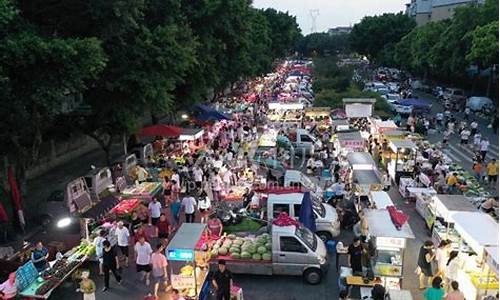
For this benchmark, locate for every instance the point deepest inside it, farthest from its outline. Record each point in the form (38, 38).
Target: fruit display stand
(34, 285)
(187, 265)
(390, 244)
(145, 190)
(478, 232)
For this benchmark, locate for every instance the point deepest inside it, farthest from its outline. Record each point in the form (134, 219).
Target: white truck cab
(77, 195)
(98, 180)
(327, 221)
(304, 142)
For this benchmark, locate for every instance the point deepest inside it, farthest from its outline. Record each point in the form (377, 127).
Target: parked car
(479, 103)
(453, 94)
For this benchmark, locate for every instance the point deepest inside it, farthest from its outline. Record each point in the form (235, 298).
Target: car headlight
(321, 260)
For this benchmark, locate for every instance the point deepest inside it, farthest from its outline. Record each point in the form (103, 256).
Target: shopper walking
(453, 265)
(442, 257)
(143, 253)
(354, 256)
(435, 292)
(204, 206)
(189, 205)
(222, 281)
(455, 294)
(98, 244)
(154, 208)
(122, 237)
(492, 172)
(483, 147)
(424, 267)
(159, 266)
(110, 263)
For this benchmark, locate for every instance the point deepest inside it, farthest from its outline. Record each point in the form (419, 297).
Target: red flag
(16, 196)
(3, 214)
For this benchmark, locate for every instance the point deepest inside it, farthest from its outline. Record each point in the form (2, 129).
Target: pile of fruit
(258, 248)
(46, 286)
(59, 270)
(84, 249)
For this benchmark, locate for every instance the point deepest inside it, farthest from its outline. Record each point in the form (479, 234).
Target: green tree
(260, 43)
(484, 49)
(322, 44)
(373, 33)
(285, 31)
(38, 74)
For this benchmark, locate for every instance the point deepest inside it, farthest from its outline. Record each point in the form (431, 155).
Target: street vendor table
(144, 190)
(390, 244)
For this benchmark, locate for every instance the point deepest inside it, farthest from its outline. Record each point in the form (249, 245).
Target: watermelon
(237, 242)
(246, 255)
(269, 246)
(266, 235)
(256, 256)
(222, 251)
(231, 236)
(235, 255)
(267, 256)
(214, 253)
(261, 250)
(234, 250)
(227, 244)
(251, 249)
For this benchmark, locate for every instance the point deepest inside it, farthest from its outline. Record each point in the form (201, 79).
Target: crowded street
(175, 157)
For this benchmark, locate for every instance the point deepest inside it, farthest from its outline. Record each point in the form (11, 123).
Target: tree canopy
(373, 33)
(322, 43)
(126, 59)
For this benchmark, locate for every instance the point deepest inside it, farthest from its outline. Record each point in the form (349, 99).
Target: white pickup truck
(295, 251)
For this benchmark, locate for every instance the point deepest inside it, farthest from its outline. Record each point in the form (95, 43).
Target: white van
(304, 142)
(98, 180)
(327, 221)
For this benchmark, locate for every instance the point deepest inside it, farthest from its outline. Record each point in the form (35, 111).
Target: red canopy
(3, 214)
(161, 130)
(16, 195)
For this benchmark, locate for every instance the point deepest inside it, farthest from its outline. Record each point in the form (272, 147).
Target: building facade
(340, 30)
(424, 11)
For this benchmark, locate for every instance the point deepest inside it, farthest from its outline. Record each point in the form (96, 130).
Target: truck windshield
(307, 237)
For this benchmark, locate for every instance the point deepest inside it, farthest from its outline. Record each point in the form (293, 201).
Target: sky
(332, 13)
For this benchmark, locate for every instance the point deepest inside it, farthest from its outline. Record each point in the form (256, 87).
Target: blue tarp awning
(206, 113)
(414, 102)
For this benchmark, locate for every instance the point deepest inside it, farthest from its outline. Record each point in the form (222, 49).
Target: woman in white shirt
(442, 257)
(452, 266)
(204, 205)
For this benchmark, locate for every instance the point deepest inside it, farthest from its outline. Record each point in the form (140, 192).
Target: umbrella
(161, 130)
(306, 215)
(16, 196)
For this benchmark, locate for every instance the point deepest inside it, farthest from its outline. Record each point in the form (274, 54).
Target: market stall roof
(190, 134)
(187, 236)
(385, 124)
(349, 135)
(366, 177)
(477, 229)
(401, 144)
(322, 110)
(360, 158)
(381, 199)
(161, 130)
(447, 205)
(380, 225)
(492, 257)
(359, 100)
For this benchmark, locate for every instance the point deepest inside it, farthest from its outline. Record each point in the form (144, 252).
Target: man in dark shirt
(223, 281)
(111, 263)
(355, 253)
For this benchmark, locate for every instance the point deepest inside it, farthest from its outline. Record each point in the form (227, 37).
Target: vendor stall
(144, 190)
(187, 262)
(400, 158)
(365, 176)
(317, 116)
(379, 127)
(440, 208)
(340, 125)
(358, 107)
(390, 244)
(349, 141)
(380, 199)
(34, 285)
(477, 232)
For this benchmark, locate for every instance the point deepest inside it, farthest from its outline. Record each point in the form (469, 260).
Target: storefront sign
(180, 254)
(179, 281)
(387, 242)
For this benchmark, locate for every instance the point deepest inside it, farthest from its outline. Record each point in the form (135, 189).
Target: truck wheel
(324, 236)
(313, 276)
